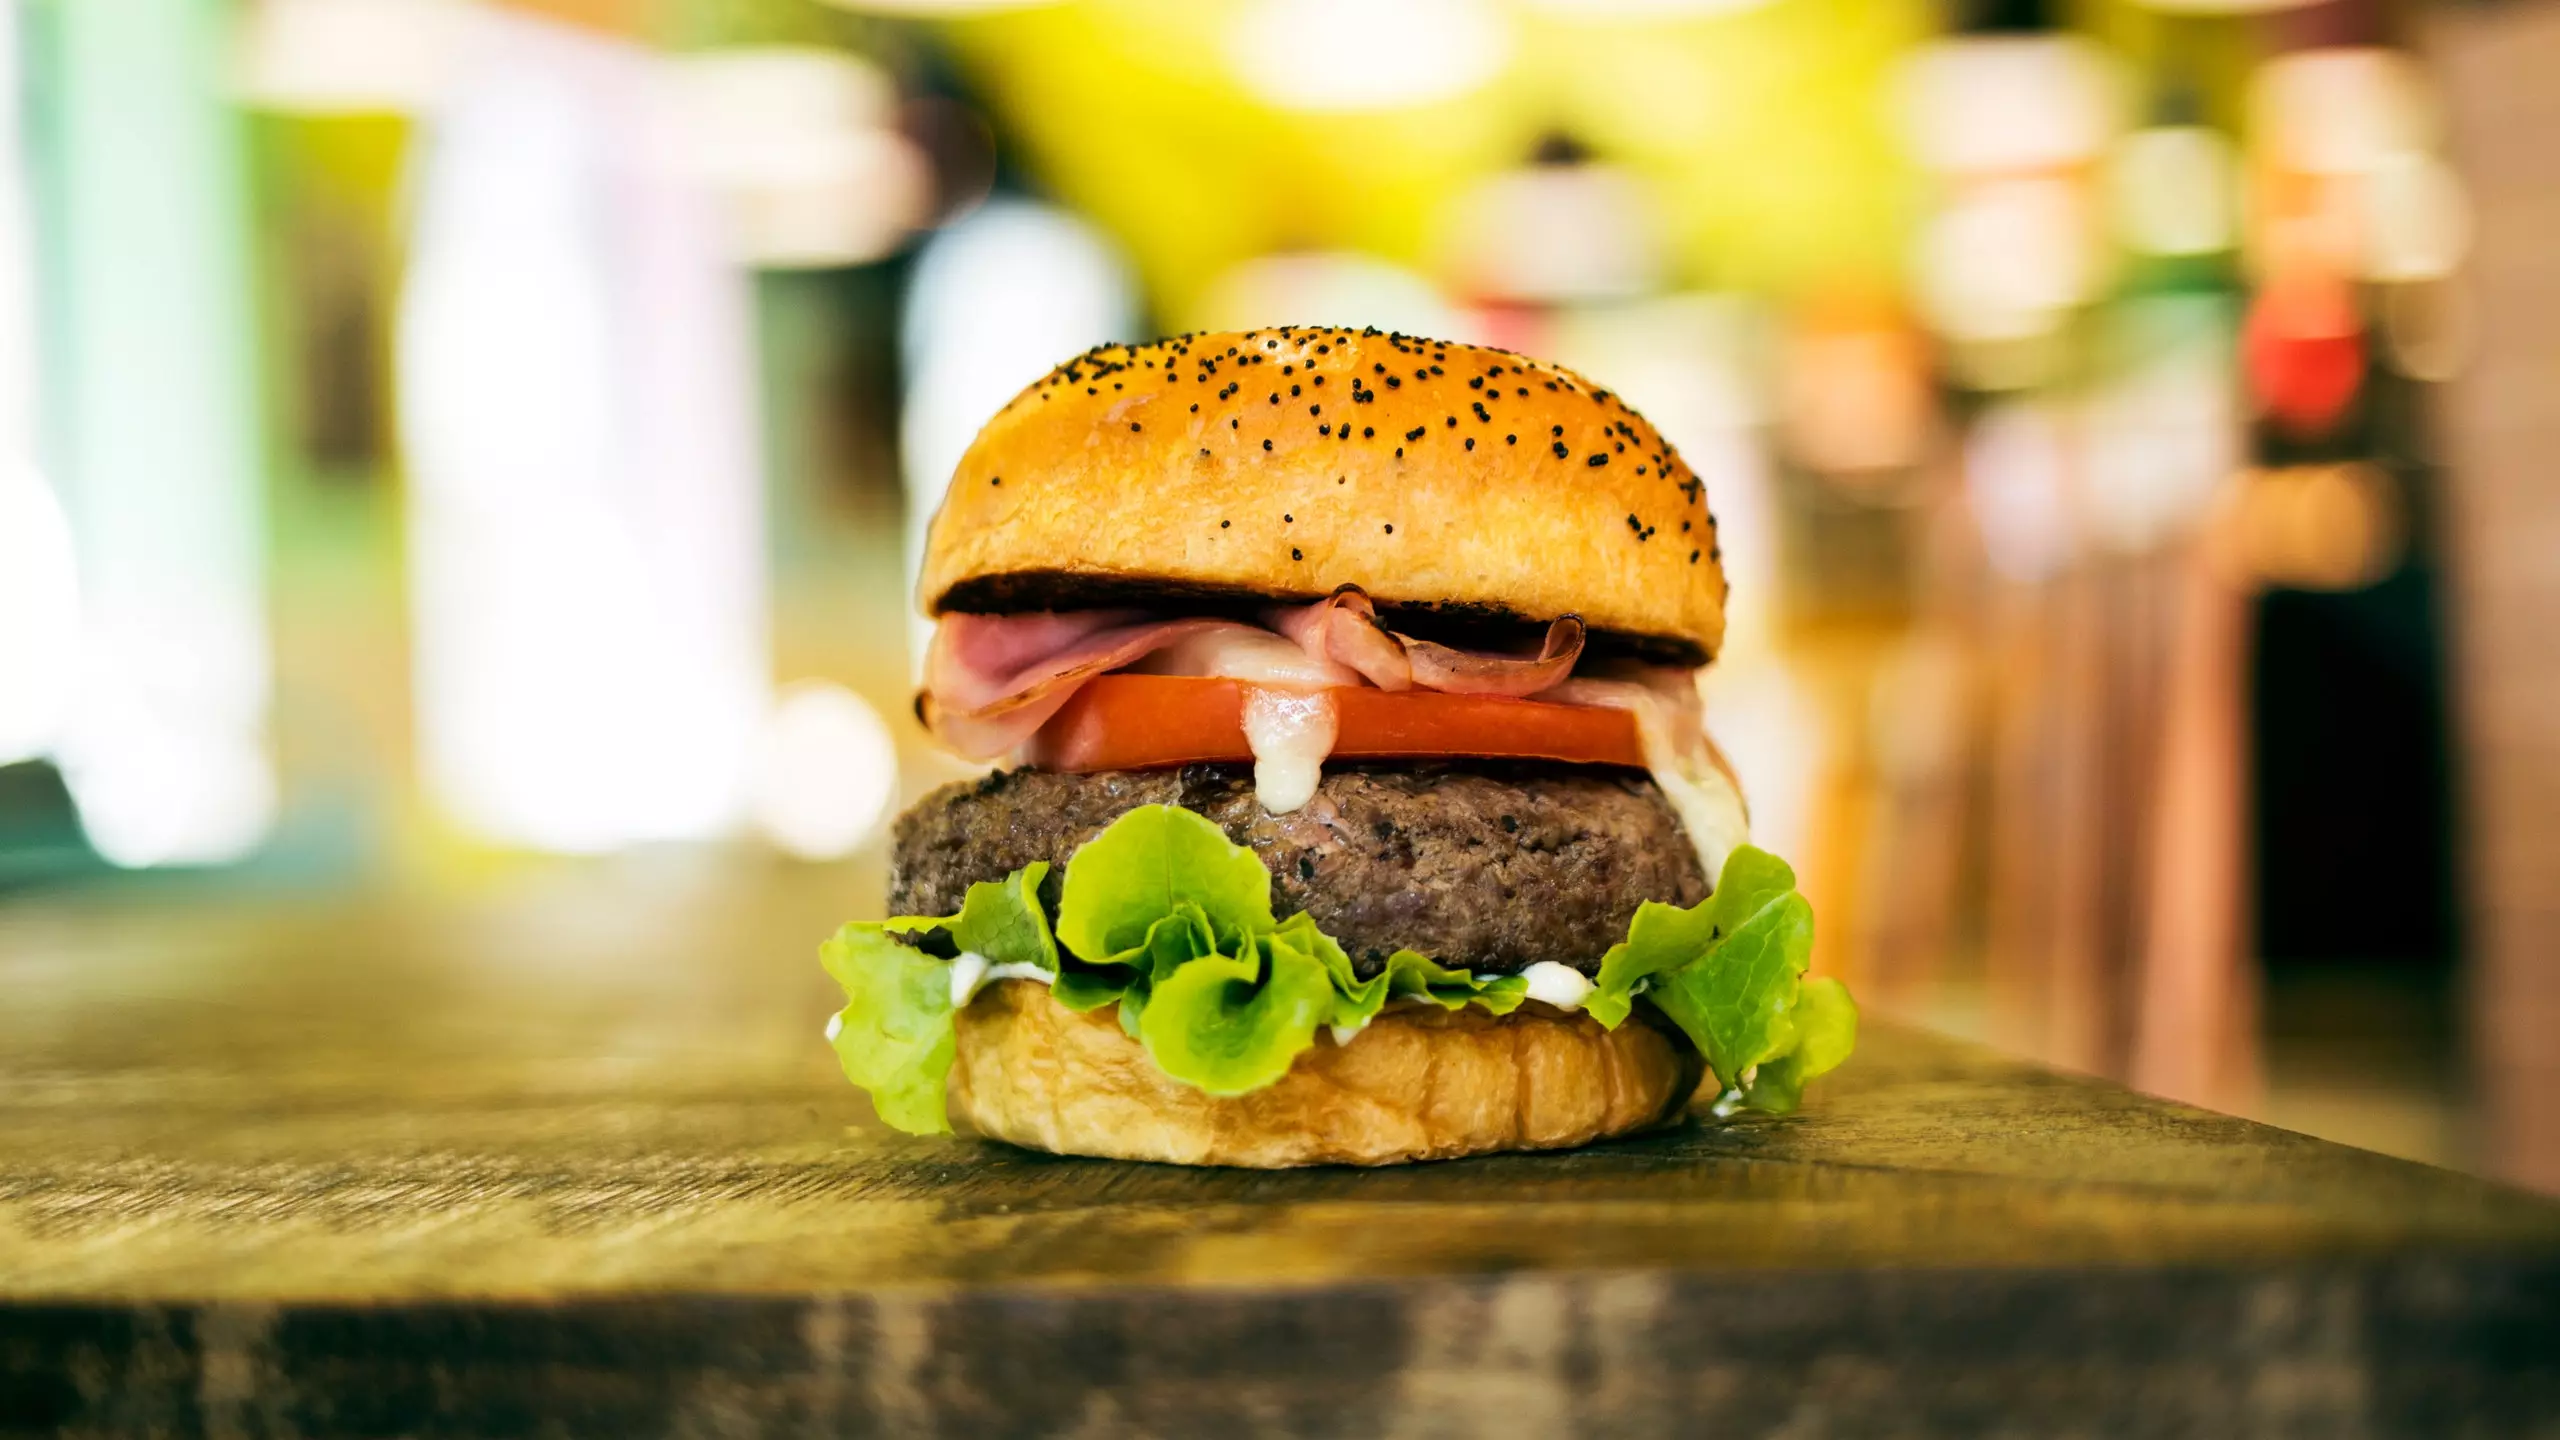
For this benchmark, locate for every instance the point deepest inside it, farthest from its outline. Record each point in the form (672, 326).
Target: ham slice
(991, 680)
(1344, 628)
(1470, 672)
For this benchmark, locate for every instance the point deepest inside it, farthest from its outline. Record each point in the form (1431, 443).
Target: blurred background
(464, 457)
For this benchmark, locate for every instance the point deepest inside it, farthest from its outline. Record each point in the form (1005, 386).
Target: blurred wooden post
(2497, 64)
(2196, 1023)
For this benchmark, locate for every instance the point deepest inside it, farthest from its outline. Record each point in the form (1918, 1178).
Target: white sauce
(1344, 1034)
(1701, 794)
(1709, 806)
(1291, 733)
(972, 972)
(835, 1026)
(1557, 984)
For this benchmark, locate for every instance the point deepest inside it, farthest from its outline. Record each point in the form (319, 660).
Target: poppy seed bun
(1420, 1083)
(1444, 478)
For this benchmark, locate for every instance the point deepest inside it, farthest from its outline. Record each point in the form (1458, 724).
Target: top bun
(1456, 480)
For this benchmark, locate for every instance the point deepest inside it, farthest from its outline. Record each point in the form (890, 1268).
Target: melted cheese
(1291, 732)
(1702, 795)
(1676, 751)
(1257, 657)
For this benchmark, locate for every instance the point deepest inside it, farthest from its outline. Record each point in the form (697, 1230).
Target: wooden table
(567, 1156)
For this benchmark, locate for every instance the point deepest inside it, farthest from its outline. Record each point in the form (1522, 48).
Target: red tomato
(1145, 722)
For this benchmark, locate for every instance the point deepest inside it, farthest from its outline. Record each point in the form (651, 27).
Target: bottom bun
(1420, 1083)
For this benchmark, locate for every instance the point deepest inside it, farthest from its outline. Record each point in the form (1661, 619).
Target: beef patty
(1493, 867)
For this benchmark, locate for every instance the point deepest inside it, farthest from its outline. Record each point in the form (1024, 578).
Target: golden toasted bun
(1292, 462)
(1420, 1083)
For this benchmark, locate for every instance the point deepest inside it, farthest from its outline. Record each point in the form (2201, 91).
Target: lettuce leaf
(1004, 922)
(1737, 1001)
(1229, 1025)
(1665, 937)
(1145, 864)
(1729, 972)
(1089, 987)
(1161, 915)
(1356, 1002)
(1415, 976)
(1826, 1022)
(893, 1035)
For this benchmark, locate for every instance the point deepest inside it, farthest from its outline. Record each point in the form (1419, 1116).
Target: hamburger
(1356, 806)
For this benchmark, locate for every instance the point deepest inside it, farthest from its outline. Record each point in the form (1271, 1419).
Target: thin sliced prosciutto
(991, 680)
(1344, 628)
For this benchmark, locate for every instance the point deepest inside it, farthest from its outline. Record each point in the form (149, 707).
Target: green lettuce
(1826, 1023)
(1004, 922)
(894, 1035)
(1729, 972)
(1162, 916)
(1411, 976)
(1228, 1025)
(1148, 864)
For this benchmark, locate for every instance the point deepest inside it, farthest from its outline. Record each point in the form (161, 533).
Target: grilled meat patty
(1489, 866)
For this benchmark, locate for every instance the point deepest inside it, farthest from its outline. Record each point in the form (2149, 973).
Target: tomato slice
(1149, 722)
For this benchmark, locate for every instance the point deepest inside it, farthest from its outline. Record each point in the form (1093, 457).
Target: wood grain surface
(569, 1157)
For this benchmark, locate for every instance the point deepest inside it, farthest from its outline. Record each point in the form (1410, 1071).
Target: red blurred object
(1146, 722)
(2303, 349)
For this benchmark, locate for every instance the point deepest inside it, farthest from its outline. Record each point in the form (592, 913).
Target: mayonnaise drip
(1557, 984)
(1291, 732)
(972, 972)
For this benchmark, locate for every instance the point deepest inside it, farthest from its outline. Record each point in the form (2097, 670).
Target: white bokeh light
(39, 617)
(801, 145)
(2017, 466)
(2417, 222)
(1337, 55)
(2175, 190)
(1641, 9)
(346, 57)
(1550, 234)
(2006, 258)
(585, 517)
(828, 773)
(2340, 111)
(157, 786)
(1331, 287)
(2010, 104)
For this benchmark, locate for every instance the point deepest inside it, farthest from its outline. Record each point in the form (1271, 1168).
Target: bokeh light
(828, 772)
(1349, 55)
(39, 617)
